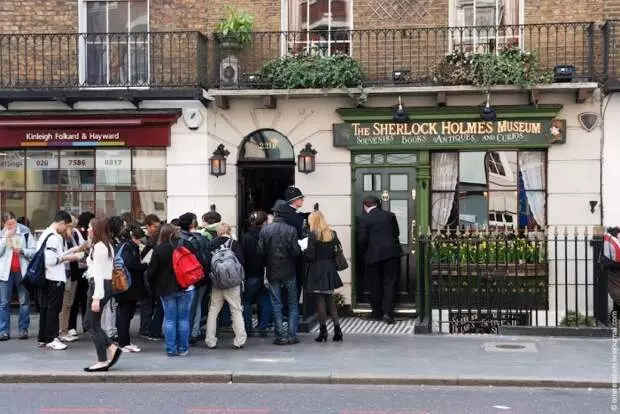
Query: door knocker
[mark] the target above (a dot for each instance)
(385, 196)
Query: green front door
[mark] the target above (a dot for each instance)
(395, 186)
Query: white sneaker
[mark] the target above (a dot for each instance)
(68, 338)
(73, 332)
(131, 348)
(56, 345)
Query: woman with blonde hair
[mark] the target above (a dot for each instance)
(322, 277)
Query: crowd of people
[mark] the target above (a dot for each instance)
(266, 267)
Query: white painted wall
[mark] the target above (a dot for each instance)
(611, 161)
(187, 161)
(574, 168)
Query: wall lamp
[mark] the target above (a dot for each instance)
(306, 160)
(217, 163)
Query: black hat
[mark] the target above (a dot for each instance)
(292, 194)
(279, 206)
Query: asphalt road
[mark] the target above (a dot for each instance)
(297, 399)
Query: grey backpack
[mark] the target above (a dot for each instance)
(226, 271)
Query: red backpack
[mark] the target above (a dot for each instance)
(187, 268)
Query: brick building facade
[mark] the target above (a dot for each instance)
(150, 77)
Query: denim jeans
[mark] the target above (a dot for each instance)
(196, 314)
(6, 292)
(255, 293)
(275, 293)
(177, 308)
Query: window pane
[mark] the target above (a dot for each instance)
(96, 17)
(532, 170)
(444, 170)
(368, 182)
(112, 203)
(472, 172)
(96, 64)
(12, 171)
(41, 209)
(117, 17)
(139, 62)
(504, 205)
(362, 159)
(148, 202)
(149, 169)
(399, 182)
(532, 209)
(77, 169)
(76, 202)
(113, 169)
(13, 201)
(138, 16)
(42, 170)
(502, 170)
(400, 208)
(402, 158)
(267, 144)
(472, 209)
(378, 158)
(444, 211)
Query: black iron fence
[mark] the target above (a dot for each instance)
(476, 281)
(103, 60)
(406, 56)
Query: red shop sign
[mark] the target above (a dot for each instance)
(79, 130)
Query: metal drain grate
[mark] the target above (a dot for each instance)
(371, 327)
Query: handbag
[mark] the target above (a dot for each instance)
(339, 259)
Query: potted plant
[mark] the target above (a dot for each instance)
(235, 30)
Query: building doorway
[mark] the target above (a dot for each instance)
(266, 167)
(395, 185)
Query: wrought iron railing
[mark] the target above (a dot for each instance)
(476, 281)
(611, 51)
(414, 52)
(103, 60)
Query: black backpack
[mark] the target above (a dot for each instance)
(35, 273)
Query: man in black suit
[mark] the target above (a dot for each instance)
(378, 238)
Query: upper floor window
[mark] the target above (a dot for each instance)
(318, 26)
(115, 42)
(481, 26)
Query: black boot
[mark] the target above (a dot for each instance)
(337, 333)
(322, 334)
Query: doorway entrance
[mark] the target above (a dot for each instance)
(395, 186)
(266, 167)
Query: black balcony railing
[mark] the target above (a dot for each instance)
(476, 282)
(103, 60)
(414, 52)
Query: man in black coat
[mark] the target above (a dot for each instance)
(278, 244)
(378, 238)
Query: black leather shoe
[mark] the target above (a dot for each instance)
(322, 334)
(280, 341)
(388, 320)
(293, 341)
(104, 368)
(337, 333)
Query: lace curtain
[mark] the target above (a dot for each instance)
(532, 167)
(444, 175)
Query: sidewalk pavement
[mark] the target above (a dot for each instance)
(360, 359)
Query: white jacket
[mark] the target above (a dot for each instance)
(29, 248)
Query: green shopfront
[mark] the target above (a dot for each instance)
(447, 171)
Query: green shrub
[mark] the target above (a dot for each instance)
(511, 66)
(575, 319)
(312, 71)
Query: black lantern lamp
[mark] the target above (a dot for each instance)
(306, 160)
(488, 114)
(217, 163)
(400, 115)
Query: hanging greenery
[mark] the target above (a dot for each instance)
(312, 71)
(511, 66)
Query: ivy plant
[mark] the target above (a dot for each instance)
(312, 71)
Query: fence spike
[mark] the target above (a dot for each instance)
(565, 231)
(585, 231)
(576, 231)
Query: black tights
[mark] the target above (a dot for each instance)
(323, 301)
